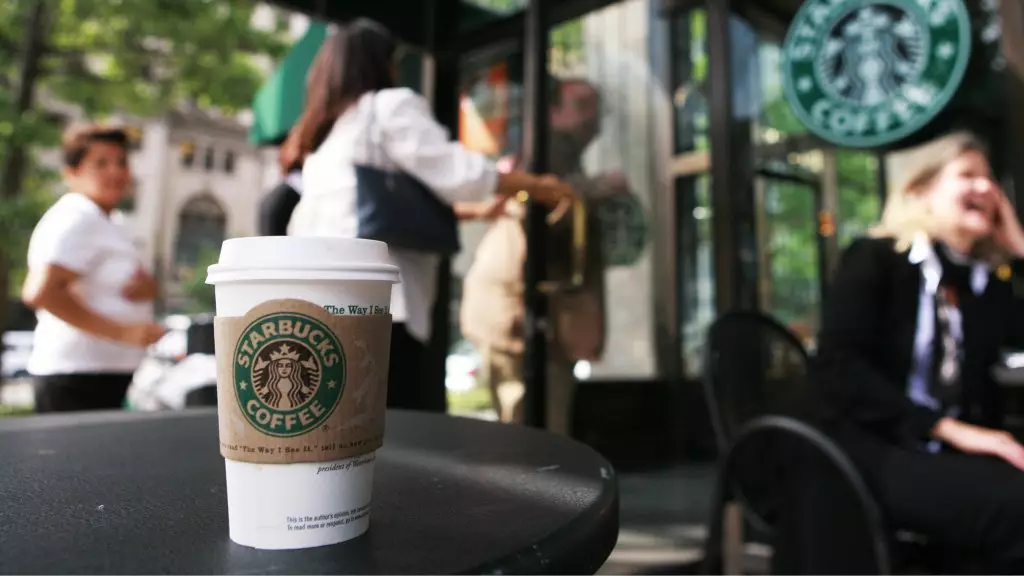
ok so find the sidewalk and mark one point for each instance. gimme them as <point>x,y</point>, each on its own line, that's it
<point>17,393</point>
<point>663,516</point>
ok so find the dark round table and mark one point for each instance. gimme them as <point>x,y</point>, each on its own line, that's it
<point>143,493</point>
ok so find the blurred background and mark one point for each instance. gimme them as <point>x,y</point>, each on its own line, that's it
<point>209,88</point>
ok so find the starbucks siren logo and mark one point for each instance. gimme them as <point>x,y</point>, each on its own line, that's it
<point>289,373</point>
<point>870,72</point>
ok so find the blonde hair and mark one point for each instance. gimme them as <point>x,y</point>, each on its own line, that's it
<point>906,217</point>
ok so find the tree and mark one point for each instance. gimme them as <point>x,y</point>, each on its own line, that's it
<point>140,57</point>
<point>199,294</point>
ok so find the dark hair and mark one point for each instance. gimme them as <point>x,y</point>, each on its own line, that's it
<point>79,138</point>
<point>356,59</point>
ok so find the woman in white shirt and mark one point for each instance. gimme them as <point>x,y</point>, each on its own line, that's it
<point>91,292</point>
<point>355,116</point>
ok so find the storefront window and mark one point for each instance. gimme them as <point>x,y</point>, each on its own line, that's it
<point>810,199</point>
<point>476,13</point>
<point>696,269</point>
<point>490,121</point>
<point>688,34</point>
<point>692,184</point>
<point>860,200</point>
<point>607,123</point>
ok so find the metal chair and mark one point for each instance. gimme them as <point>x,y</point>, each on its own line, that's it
<point>788,475</point>
<point>753,366</point>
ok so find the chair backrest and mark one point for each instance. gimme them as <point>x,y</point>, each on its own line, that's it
<point>199,336</point>
<point>803,487</point>
<point>753,365</point>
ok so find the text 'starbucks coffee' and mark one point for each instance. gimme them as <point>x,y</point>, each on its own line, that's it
<point>302,339</point>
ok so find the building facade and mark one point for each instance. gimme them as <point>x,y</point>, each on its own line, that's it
<point>198,182</point>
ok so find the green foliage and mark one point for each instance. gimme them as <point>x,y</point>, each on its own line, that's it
<point>18,216</point>
<point>144,56</point>
<point>476,399</point>
<point>140,57</point>
<point>792,243</point>
<point>6,410</point>
<point>193,282</point>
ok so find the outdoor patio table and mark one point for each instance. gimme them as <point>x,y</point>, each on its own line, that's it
<point>143,493</point>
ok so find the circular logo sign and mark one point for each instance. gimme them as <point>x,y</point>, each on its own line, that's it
<point>289,373</point>
<point>867,73</point>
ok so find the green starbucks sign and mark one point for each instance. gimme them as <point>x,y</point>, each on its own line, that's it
<point>866,73</point>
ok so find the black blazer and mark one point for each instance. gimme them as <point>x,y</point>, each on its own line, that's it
<point>865,349</point>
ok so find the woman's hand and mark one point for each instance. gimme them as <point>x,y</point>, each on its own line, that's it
<point>972,439</point>
<point>551,192</point>
<point>480,210</point>
<point>141,334</point>
<point>1008,232</point>
<point>141,287</point>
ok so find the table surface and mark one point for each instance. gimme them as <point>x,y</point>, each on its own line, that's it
<point>122,492</point>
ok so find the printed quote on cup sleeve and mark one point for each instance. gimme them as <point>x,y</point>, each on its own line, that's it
<point>298,384</point>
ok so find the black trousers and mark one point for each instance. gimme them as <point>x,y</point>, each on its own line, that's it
<point>75,392</point>
<point>407,387</point>
<point>969,506</point>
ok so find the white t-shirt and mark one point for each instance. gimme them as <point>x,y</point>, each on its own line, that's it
<point>76,234</point>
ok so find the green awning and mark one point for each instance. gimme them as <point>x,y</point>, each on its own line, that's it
<point>279,102</point>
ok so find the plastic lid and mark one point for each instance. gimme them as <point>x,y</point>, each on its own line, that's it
<point>302,258</point>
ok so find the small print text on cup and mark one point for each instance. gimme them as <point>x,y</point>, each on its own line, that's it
<point>357,310</point>
<point>300,523</point>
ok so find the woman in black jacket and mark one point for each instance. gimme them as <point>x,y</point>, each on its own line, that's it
<point>918,314</point>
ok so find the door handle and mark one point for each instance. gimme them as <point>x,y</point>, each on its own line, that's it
<point>578,255</point>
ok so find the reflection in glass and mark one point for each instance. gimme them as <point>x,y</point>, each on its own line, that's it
<point>789,254</point>
<point>490,121</point>
<point>809,177</point>
<point>688,35</point>
<point>860,204</point>
<point>696,267</point>
<point>476,13</point>
<point>777,120</point>
<point>692,184</point>
<point>613,146</point>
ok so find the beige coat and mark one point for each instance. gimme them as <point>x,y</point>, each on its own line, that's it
<point>492,310</point>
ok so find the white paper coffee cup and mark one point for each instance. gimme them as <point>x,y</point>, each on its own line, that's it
<point>301,505</point>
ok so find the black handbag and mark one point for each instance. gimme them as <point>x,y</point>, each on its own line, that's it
<point>396,208</point>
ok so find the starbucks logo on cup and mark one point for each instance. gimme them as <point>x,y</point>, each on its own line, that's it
<point>868,73</point>
<point>289,373</point>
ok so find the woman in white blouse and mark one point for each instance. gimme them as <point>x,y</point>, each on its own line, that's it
<point>351,90</point>
<point>92,294</point>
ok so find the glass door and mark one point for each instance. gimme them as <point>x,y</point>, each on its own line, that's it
<point>606,135</point>
<point>490,96</point>
<point>792,230</point>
